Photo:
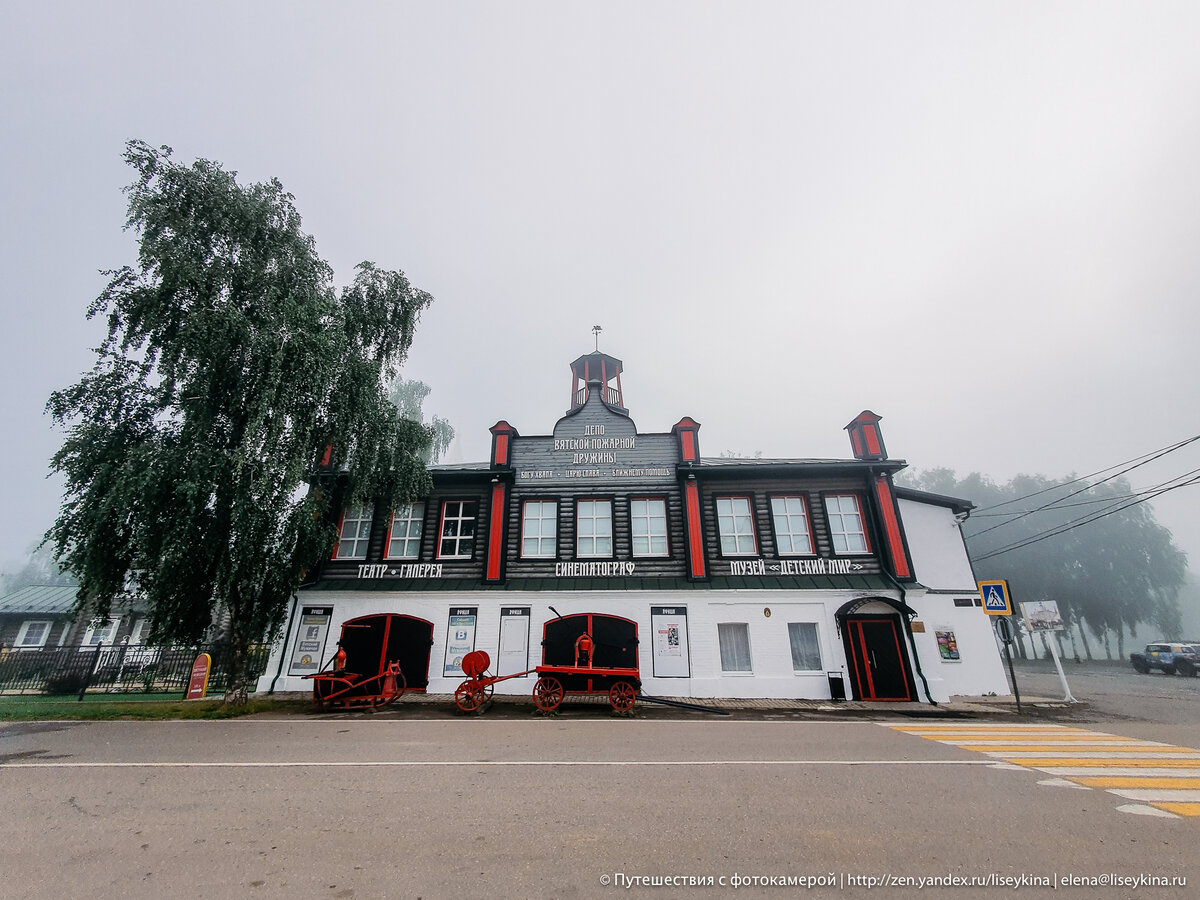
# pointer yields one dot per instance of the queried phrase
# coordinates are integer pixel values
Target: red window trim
(862, 515)
(753, 525)
(387, 539)
(666, 519)
(442, 522)
(808, 517)
(521, 543)
(612, 524)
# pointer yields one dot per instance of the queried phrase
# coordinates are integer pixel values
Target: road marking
(1149, 781)
(1180, 809)
(1036, 749)
(1165, 778)
(350, 764)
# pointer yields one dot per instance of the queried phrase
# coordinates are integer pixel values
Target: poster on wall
(309, 648)
(513, 655)
(947, 643)
(668, 625)
(460, 639)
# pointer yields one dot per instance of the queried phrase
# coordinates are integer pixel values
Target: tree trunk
(1108, 642)
(1087, 648)
(236, 693)
(1120, 641)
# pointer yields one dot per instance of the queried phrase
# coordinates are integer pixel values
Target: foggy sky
(979, 220)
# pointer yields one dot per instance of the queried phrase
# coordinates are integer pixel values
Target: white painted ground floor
(745, 644)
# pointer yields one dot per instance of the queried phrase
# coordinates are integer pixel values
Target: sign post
(1004, 628)
(997, 602)
(1043, 616)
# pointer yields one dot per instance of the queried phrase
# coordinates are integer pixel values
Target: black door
(879, 669)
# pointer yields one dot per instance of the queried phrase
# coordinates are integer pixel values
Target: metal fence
(117, 668)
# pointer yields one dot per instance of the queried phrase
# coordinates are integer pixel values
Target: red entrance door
(878, 666)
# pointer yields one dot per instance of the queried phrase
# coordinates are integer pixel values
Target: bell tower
(597, 367)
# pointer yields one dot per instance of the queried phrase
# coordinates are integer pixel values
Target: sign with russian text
(460, 639)
(819, 566)
(198, 682)
(668, 626)
(309, 649)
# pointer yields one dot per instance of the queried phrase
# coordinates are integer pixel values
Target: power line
(1058, 504)
(1093, 517)
(1153, 454)
(1140, 461)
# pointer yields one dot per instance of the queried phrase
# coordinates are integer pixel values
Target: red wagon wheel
(621, 696)
(547, 693)
(469, 696)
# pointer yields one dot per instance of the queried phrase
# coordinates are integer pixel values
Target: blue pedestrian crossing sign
(996, 599)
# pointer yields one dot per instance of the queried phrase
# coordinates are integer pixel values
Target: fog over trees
(1094, 547)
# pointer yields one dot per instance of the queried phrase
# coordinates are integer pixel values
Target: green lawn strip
(135, 706)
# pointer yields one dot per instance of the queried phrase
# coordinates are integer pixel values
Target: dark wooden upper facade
(603, 491)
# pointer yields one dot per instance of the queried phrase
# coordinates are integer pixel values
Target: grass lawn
(32, 707)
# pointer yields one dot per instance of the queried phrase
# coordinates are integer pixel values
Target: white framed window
(100, 631)
(593, 531)
(33, 633)
(354, 533)
(648, 526)
(793, 537)
(456, 539)
(846, 524)
(141, 631)
(539, 529)
(735, 525)
(806, 647)
(734, 638)
(404, 534)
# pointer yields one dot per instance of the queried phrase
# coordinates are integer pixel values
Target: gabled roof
(44, 599)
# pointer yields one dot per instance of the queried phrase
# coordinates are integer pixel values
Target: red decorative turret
(865, 438)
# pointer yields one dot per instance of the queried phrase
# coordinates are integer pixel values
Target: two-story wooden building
(783, 578)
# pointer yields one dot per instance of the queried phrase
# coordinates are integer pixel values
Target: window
(404, 534)
(100, 631)
(593, 520)
(648, 523)
(539, 529)
(354, 533)
(140, 631)
(735, 523)
(734, 638)
(457, 540)
(33, 634)
(792, 534)
(806, 649)
(846, 524)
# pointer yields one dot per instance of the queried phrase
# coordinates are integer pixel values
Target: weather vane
(596, 329)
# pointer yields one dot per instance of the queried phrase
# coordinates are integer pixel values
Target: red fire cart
(587, 653)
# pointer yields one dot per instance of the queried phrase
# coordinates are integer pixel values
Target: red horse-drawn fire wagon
(586, 653)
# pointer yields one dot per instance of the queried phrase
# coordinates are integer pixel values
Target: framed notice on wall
(668, 625)
(460, 639)
(513, 654)
(947, 643)
(308, 652)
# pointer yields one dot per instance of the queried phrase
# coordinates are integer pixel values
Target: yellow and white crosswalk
(1162, 779)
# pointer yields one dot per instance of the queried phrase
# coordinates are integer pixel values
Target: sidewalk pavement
(955, 708)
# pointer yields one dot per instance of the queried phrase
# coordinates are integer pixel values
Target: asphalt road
(525, 806)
